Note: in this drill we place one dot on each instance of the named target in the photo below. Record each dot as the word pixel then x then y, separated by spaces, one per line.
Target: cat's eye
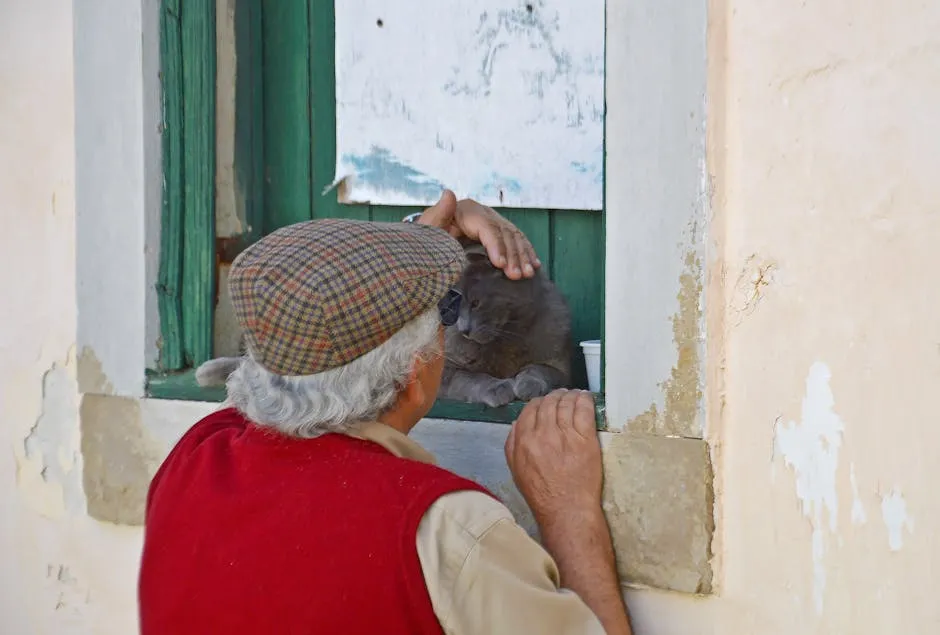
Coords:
pixel 474 304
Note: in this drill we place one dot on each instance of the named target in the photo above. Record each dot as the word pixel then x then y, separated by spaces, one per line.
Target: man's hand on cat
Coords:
pixel 507 247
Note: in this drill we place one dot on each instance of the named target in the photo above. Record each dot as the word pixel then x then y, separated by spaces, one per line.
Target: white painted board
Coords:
pixel 498 100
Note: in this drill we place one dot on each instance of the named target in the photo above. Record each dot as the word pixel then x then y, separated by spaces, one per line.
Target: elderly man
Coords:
pixel 302 506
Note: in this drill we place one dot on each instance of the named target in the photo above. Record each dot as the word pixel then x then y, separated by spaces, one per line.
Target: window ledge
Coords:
pixel 182 386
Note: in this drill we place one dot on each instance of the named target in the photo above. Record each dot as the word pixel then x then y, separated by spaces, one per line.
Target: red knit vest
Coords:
pixel 249 532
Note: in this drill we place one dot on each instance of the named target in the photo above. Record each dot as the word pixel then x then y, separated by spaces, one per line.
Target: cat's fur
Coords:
pixel 511 342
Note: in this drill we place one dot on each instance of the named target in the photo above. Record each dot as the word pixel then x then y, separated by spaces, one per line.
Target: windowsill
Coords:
pixel 182 386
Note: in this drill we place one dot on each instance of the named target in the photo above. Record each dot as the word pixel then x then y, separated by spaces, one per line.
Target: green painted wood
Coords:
pixel 183 386
pixel 170 275
pixel 249 118
pixel 323 115
pixel 458 410
pixel 197 26
pixel 392 213
pixel 450 409
pixel 603 324
pixel 286 113
pixel 578 270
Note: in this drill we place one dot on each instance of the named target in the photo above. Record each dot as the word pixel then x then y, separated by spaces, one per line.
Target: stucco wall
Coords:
pixel 823 318
pixel 825 150
pixel 62 571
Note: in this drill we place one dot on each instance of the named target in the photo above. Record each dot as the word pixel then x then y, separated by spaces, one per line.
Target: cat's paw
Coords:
pixel 499 393
pixel 527 387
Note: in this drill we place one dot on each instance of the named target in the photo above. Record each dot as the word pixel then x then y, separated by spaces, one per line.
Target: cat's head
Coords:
pixel 493 306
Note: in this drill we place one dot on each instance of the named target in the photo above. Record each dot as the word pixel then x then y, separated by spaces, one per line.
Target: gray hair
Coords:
pixel 331 401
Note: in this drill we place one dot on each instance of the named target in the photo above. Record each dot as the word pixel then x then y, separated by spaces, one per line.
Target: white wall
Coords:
pixel 823 317
pixel 62 572
pixel 655 215
pixel 118 176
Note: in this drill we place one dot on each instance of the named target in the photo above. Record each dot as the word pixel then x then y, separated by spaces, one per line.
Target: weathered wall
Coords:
pixel 825 149
pixel 823 353
pixel 656 215
pixel 118 172
pixel 62 571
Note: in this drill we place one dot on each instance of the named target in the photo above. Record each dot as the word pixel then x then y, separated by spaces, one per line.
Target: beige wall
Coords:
pixel 61 571
pixel 825 147
pixel 823 319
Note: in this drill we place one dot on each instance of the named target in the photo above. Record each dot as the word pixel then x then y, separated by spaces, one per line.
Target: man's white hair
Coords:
pixel 311 405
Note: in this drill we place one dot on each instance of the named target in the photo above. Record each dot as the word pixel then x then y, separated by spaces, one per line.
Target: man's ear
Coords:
pixel 413 391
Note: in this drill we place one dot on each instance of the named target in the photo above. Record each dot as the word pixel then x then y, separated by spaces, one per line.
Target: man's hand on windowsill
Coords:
pixel 507 247
pixel 554 456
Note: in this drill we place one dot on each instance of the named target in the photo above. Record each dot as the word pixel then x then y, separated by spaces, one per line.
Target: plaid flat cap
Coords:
pixel 318 294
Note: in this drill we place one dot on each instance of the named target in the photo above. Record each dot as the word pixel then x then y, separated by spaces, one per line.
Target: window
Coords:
pixel 257 99
pixel 660 241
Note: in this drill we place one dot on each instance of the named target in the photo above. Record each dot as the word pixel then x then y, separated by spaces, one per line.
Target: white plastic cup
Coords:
pixel 592 360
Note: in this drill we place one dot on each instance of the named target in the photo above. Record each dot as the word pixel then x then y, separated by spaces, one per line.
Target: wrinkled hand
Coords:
pixel 507 247
pixel 555 457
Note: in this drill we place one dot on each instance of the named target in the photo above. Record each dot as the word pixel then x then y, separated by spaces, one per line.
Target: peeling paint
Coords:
pixel 120 458
pixel 91 375
pixel 69 593
pixel 896 519
pixel 858 510
pixel 386 175
pixel 811 450
pixel 682 391
pixel 48 466
pixel 756 275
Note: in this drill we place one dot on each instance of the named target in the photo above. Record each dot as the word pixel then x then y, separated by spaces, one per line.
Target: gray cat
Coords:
pixel 512 340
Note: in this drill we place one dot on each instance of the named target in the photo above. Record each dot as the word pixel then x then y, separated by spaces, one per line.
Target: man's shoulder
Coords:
pixel 411 472
pixel 471 512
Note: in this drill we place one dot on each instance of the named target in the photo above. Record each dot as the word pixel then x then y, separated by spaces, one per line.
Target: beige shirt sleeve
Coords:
pixel 486 575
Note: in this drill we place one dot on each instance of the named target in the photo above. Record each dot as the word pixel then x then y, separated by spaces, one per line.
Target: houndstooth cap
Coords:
pixel 318 294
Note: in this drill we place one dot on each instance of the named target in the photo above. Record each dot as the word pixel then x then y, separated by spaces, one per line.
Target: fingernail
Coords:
pixel 515 270
pixel 529 270
pixel 538 262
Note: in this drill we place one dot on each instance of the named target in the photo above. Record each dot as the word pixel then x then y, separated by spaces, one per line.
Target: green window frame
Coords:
pixel 285 146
